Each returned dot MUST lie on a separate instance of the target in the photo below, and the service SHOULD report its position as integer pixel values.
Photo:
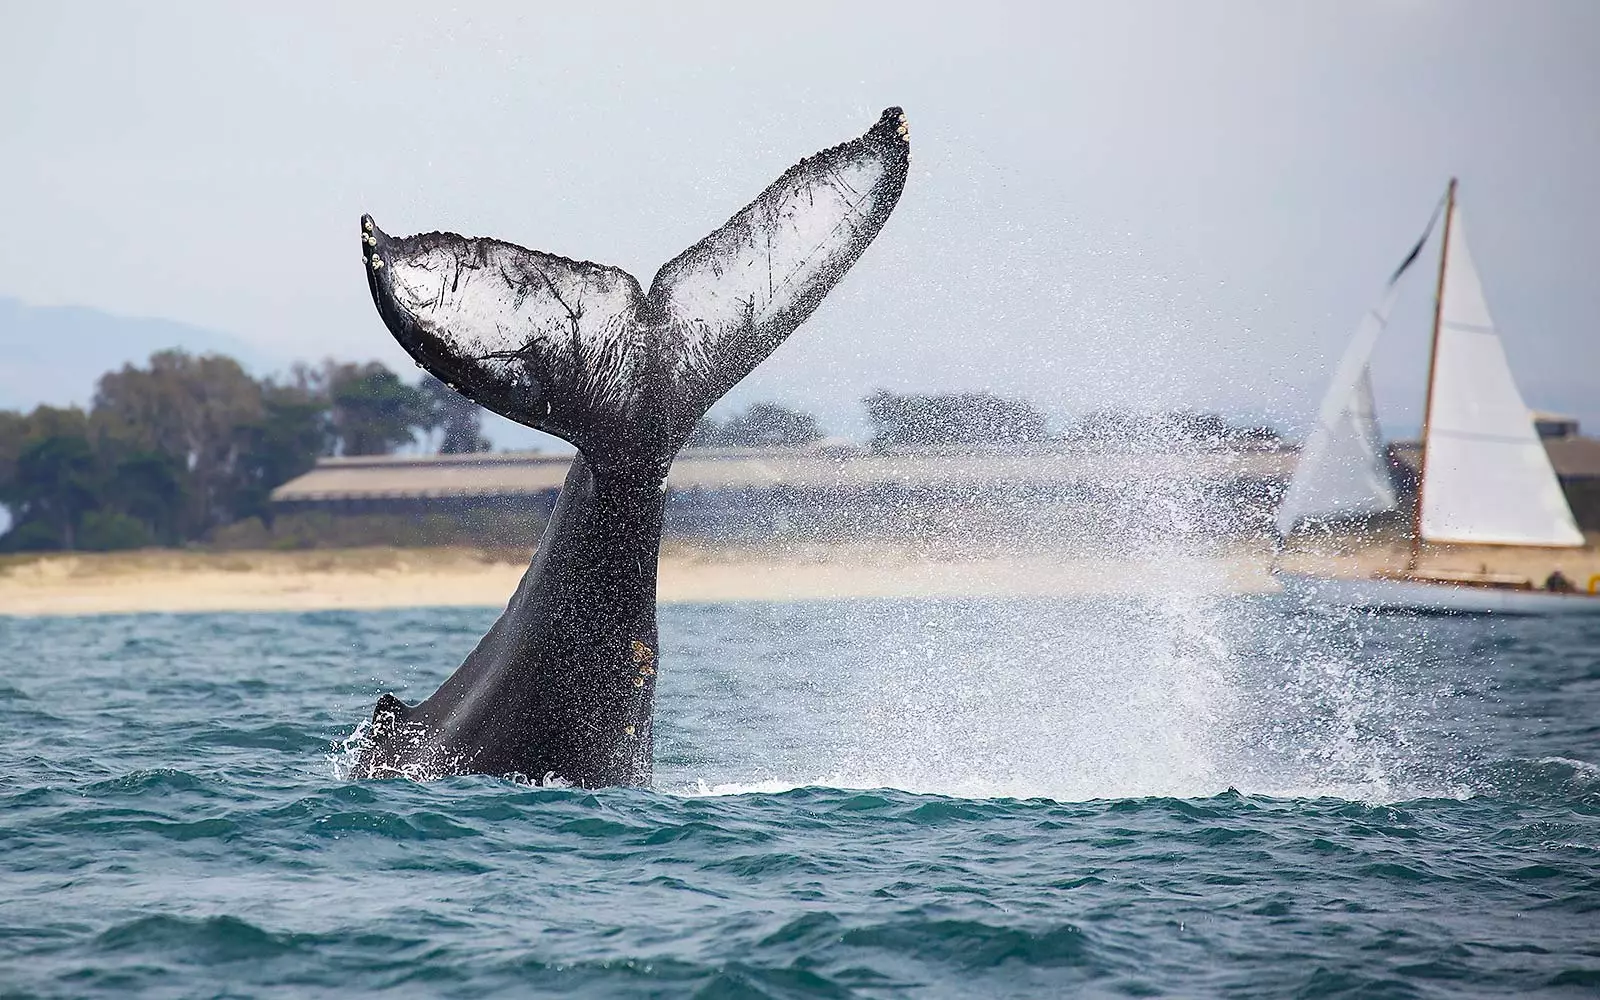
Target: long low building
(758, 489)
(425, 478)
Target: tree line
(170, 450)
(981, 419)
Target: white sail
(1342, 470)
(1486, 477)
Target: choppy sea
(876, 799)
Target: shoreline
(188, 581)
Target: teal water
(876, 799)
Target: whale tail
(578, 350)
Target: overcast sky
(1151, 204)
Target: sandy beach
(194, 581)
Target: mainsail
(1342, 472)
(1486, 478)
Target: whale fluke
(732, 298)
(563, 684)
(577, 349)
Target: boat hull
(1430, 597)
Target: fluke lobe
(563, 685)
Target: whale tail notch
(577, 349)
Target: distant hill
(55, 354)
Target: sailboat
(1483, 478)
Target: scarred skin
(563, 685)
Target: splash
(1093, 699)
(1172, 691)
(351, 758)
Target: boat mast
(1433, 361)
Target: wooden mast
(1433, 362)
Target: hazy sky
(1156, 204)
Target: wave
(205, 940)
(978, 788)
(1552, 780)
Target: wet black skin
(563, 685)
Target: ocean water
(875, 799)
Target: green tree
(373, 411)
(13, 437)
(769, 425)
(185, 444)
(190, 409)
(42, 476)
(293, 430)
(952, 419)
(761, 425)
(148, 488)
(52, 481)
(458, 419)
(1113, 428)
